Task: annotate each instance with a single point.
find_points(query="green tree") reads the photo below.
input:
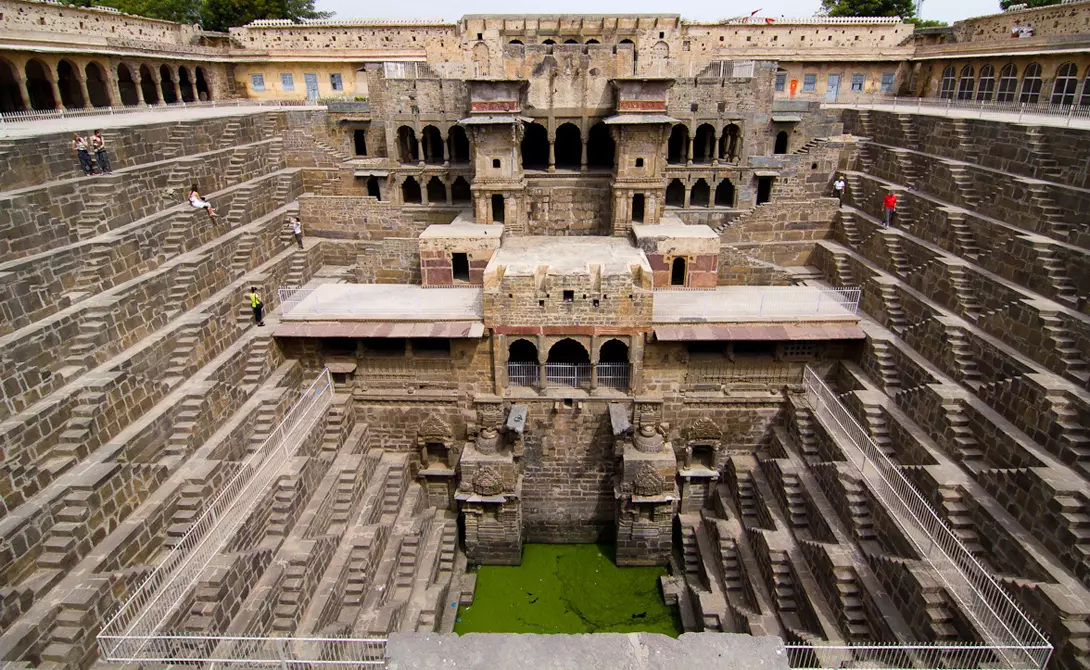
(926, 23)
(1006, 4)
(902, 8)
(223, 14)
(180, 11)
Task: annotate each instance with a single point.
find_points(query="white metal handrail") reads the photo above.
(419, 304)
(1006, 629)
(738, 302)
(938, 655)
(291, 296)
(284, 652)
(523, 373)
(981, 108)
(140, 619)
(576, 375)
(613, 375)
(48, 114)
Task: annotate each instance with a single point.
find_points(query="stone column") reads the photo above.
(692, 143)
(594, 358)
(715, 150)
(552, 156)
(137, 80)
(158, 79)
(688, 195)
(583, 156)
(114, 89)
(635, 365)
(450, 190)
(423, 191)
(56, 90)
(542, 356)
(446, 155)
(25, 93)
(82, 78)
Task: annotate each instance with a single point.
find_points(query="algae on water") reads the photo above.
(568, 588)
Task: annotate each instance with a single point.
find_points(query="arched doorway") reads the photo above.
(97, 88)
(185, 85)
(166, 82)
(410, 191)
(704, 144)
(126, 86)
(498, 207)
(568, 147)
(701, 195)
(458, 145)
(678, 272)
(147, 86)
(431, 141)
(675, 194)
(38, 86)
(407, 148)
(600, 147)
(11, 98)
(68, 83)
(781, 143)
(522, 366)
(637, 208)
(460, 192)
(535, 147)
(612, 365)
(730, 143)
(203, 91)
(568, 364)
(724, 194)
(677, 149)
(373, 189)
(437, 191)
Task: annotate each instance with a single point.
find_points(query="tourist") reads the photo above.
(889, 204)
(196, 201)
(98, 143)
(256, 305)
(83, 154)
(838, 188)
(296, 230)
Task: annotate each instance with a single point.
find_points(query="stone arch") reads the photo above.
(185, 85)
(204, 91)
(460, 192)
(522, 350)
(1031, 84)
(480, 59)
(724, 194)
(679, 271)
(661, 50)
(166, 83)
(410, 191)
(518, 42)
(39, 85)
(600, 147)
(147, 86)
(69, 86)
(704, 144)
(701, 194)
(458, 147)
(437, 190)
(613, 350)
(730, 143)
(568, 350)
(677, 147)
(431, 145)
(592, 41)
(98, 88)
(966, 83)
(675, 194)
(1063, 88)
(780, 147)
(947, 83)
(11, 95)
(407, 147)
(535, 147)
(571, 41)
(126, 86)
(568, 147)
(548, 42)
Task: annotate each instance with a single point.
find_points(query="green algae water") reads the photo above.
(568, 588)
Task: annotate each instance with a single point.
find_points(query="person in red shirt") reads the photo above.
(889, 204)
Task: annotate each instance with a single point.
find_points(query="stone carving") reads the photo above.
(705, 430)
(488, 482)
(488, 441)
(434, 430)
(648, 482)
(648, 440)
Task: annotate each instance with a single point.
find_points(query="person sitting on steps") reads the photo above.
(196, 201)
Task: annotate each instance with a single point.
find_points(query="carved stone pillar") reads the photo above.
(552, 156)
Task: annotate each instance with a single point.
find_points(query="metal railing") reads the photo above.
(523, 374)
(291, 296)
(968, 107)
(613, 375)
(741, 302)
(139, 621)
(1007, 632)
(576, 375)
(894, 656)
(283, 652)
(409, 303)
(47, 114)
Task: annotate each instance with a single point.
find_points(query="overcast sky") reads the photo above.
(943, 10)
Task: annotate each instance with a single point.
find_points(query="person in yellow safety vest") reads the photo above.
(256, 305)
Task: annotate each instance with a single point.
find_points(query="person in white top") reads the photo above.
(79, 143)
(196, 201)
(838, 188)
(297, 230)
